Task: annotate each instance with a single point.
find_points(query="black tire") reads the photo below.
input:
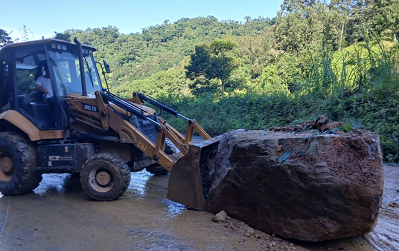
(105, 176)
(18, 158)
(156, 169)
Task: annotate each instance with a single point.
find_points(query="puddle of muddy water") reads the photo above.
(59, 216)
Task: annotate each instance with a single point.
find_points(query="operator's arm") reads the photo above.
(39, 87)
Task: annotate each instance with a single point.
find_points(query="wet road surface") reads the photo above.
(59, 216)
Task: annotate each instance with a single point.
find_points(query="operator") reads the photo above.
(5, 78)
(43, 84)
(4, 100)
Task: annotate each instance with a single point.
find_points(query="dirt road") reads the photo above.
(59, 216)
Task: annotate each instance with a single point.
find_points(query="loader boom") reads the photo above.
(192, 124)
(108, 111)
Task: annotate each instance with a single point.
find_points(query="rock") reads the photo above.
(220, 217)
(321, 124)
(249, 231)
(303, 186)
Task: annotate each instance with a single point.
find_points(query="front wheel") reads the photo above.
(18, 159)
(105, 176)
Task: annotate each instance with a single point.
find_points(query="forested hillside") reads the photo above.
(336, 57)
(159, 48)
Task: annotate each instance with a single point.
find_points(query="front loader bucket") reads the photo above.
(190, 178)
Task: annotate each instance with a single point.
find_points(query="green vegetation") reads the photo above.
(337, 58)
(211, 62)
(4, 38)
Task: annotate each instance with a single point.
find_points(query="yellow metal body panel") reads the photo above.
(18, 120)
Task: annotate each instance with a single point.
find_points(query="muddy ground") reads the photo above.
(59, 216)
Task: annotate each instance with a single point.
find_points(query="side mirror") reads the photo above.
(106, 65)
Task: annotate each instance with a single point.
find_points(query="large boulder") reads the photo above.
(307, 186)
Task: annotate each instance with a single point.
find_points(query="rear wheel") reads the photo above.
(18, 158)
(105, 176)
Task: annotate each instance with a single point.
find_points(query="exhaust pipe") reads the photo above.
(82, 67)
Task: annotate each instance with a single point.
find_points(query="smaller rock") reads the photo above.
(320, 122)
(249, 231)
(220, 217)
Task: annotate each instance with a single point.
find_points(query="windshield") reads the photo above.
(65, 64)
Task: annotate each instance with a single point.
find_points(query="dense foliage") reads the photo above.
(337, 57)
(157, 48)
(4, 38)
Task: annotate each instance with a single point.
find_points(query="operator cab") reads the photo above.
(23, 63)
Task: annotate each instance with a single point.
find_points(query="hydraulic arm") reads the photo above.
(114, 112)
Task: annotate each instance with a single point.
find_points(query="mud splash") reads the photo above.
(59, 216)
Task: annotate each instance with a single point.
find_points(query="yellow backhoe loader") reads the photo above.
(57, 117)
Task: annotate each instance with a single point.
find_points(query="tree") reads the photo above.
(221, 65)
(313, 24)
(356, 19)
(386, 16)
(211, 62)
(63, 36)
(247, 19)
(300, 26)
(196, 70)
(342, 8)
(292, 6)
(4, 38)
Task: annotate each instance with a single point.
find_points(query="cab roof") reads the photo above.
(42, 41)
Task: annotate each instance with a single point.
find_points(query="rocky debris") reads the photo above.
(320, 124)
(305, 186)
(220, 217)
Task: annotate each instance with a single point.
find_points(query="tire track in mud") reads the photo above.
(5, 218)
